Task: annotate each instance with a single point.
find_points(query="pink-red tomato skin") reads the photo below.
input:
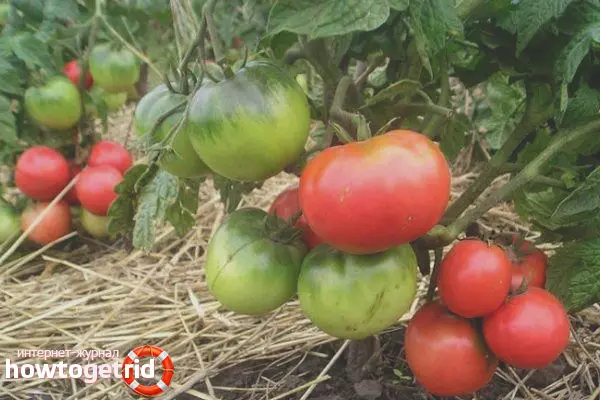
(530, 331)
(108, 152)
(528, 263)
(474, 278)
(96, 188)
(285, 206)
(365, 197)
(446, 354)
(42, 173)
(54, 225)
(72, 70)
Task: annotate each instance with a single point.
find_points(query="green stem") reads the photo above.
(131, 48)
(362, 78)
(529, 173)
(293, 54)
(337, 112)
(433, 282)
(444, 99)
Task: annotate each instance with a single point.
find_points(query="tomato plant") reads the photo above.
(54, 225)
(247, 269)
(336, 185)
(474, 278)
(355, 296)
(111, 153)
(529, 331)
(250, 126)
(72, 70)
(41, 173)
(287, 205)
(446, 352)
(96, 188)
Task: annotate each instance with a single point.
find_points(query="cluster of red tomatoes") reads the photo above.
(492, 306)
(42, 173)
(355, 272)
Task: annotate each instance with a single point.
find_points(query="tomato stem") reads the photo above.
(444, 99)
(438, 255)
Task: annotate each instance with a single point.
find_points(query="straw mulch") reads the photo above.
(95, 295)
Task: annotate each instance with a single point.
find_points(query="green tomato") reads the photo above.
(95, 225)
(355, 296)
(247, 270)
(113, 70)
(113, 101)
(184, 161)
(56, 105)
(252, 125)
(9, 223)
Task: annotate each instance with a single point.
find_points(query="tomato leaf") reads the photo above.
(182, 213)
(122, 210)
(32, 51)
(404, 87)
(400, 5)
(10, 78)
(432, 21)
(584, 199)
(8, 125)
(454, 136)
(324, 18)
(574, 274)
(159, 193)
(540, 206)
(585, 103)
(575, 51)
(61, 10)
(231, 192)
(529, 16)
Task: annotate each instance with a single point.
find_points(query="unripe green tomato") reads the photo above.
(248, 270)
(56, 105)
(113, 70)
(9, 223)
(95, 225)
(355, 296)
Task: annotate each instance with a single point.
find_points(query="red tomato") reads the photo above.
(41, 173)
(529, 331)
(474, 278)
(71, 196)
(528, 263)
(54, 225)
(285, 206)
(107, 152)
(96, 188)
(72, 70)
(445, 352)
(366, 197)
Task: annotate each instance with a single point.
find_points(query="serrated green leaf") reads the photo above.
(10, 78)
(529, 16)
(122, 210)
(231, 192)
(8, 126)
(540, 206)
(585, 103)
(32, 51)
(432, 21)
(584, 199)
(575, 51)
(404, 87)
(400, 5)
(454, 136)
(498, 115)
(573, 274)
(324, 18)
(61, 9)
(182, 213)
(155, 197)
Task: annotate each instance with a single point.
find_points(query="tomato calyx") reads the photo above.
(283, 230)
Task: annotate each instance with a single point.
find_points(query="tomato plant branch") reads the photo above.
(433, 281)
(528, 174)
(444, 99)
(362, 78)
(336, 111)
(294, 54)
(130, 47)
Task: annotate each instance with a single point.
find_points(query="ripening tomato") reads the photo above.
(55, 105)
(41, 173)
(285, 206)
(529, 264)
(95, 225)
(72, 70)
(366, 197)
(474, 278)
(54, 225)
(529, 331)
(114, 70)
(9, 222)
(96, 188)
(107, 152)
(446, 354)
(71, 195)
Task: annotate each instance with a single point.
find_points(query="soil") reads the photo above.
(379, 373)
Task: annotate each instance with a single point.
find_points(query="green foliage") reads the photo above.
(583, 201)
(574, 274)
(231, 192)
